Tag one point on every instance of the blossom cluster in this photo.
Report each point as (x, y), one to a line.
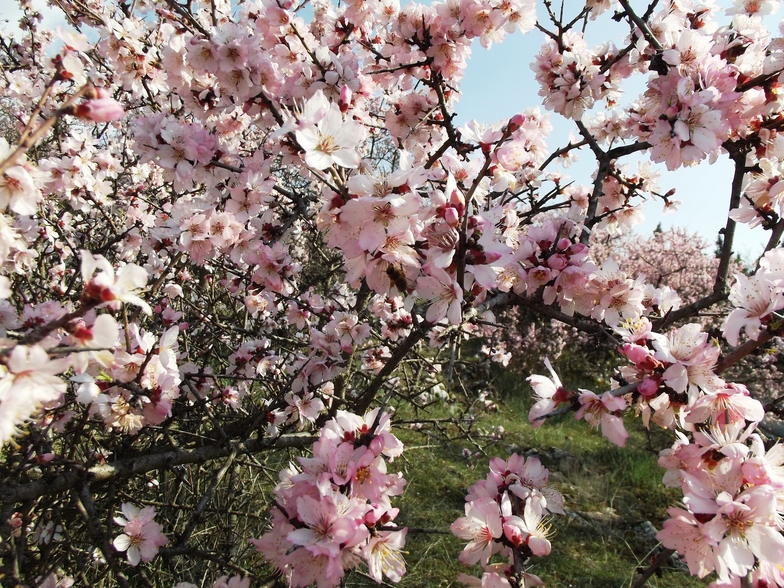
(335, 511)
(732, 485)
(732, 489)
(506, 514)
(756, 299)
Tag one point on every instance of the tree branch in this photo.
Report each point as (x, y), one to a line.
(138, 465)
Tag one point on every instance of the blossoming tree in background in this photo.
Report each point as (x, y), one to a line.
(235, 237)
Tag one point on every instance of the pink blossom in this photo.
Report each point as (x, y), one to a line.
(106, 287)
(20, 184)
(602, 411)
(445, 296)
(550, 393)
(760, 7)
(685, 534)
(141, 537)
(481, 527)
(755, 298)
(29, 382)
(383, 555)
(535, 531)
(331, 140)
(729, 405)
(325, 529)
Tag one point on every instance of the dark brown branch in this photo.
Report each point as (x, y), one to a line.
(585, 326)
(775, 237)
(186, 14)
(641, 25)
(740, 352)
(138, 465)
(86, 508)
(363, 402)
(655, 565)
(738, 156)
(622, 150)
(689, 310)
(601, 173)
(447, 116)
(205, 499)
(719, 294)
(558, 152)
(40, 333)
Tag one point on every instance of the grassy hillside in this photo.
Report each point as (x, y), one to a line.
(609, 494)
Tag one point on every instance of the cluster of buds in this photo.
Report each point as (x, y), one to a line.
(506, 514)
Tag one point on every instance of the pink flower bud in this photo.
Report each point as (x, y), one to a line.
(514, 534)
(451, 216)
(648, 387)
(376, 446)
(635, 353)
(457, 199)
(344, 101)
(101, 108)
(516, 122)
(557, 262)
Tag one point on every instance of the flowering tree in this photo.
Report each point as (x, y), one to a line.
(235, 230)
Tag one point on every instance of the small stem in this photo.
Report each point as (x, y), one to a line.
(655, 565)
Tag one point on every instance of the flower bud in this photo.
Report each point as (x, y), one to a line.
(516, 122)
(344, 101)
(451, 217)
(101, 108)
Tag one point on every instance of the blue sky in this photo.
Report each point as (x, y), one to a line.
(500, 83)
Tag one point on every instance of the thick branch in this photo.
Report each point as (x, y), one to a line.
(144, 463)
(601, 173)
(583, 325)
(775, 237)
(641, 25)
(622, 150)
(657, 563)
(738, 156)
(689, 310)
(740, 352)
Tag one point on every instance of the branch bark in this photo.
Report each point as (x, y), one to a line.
(127, 468)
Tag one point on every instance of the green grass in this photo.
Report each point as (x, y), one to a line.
(608, 489)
